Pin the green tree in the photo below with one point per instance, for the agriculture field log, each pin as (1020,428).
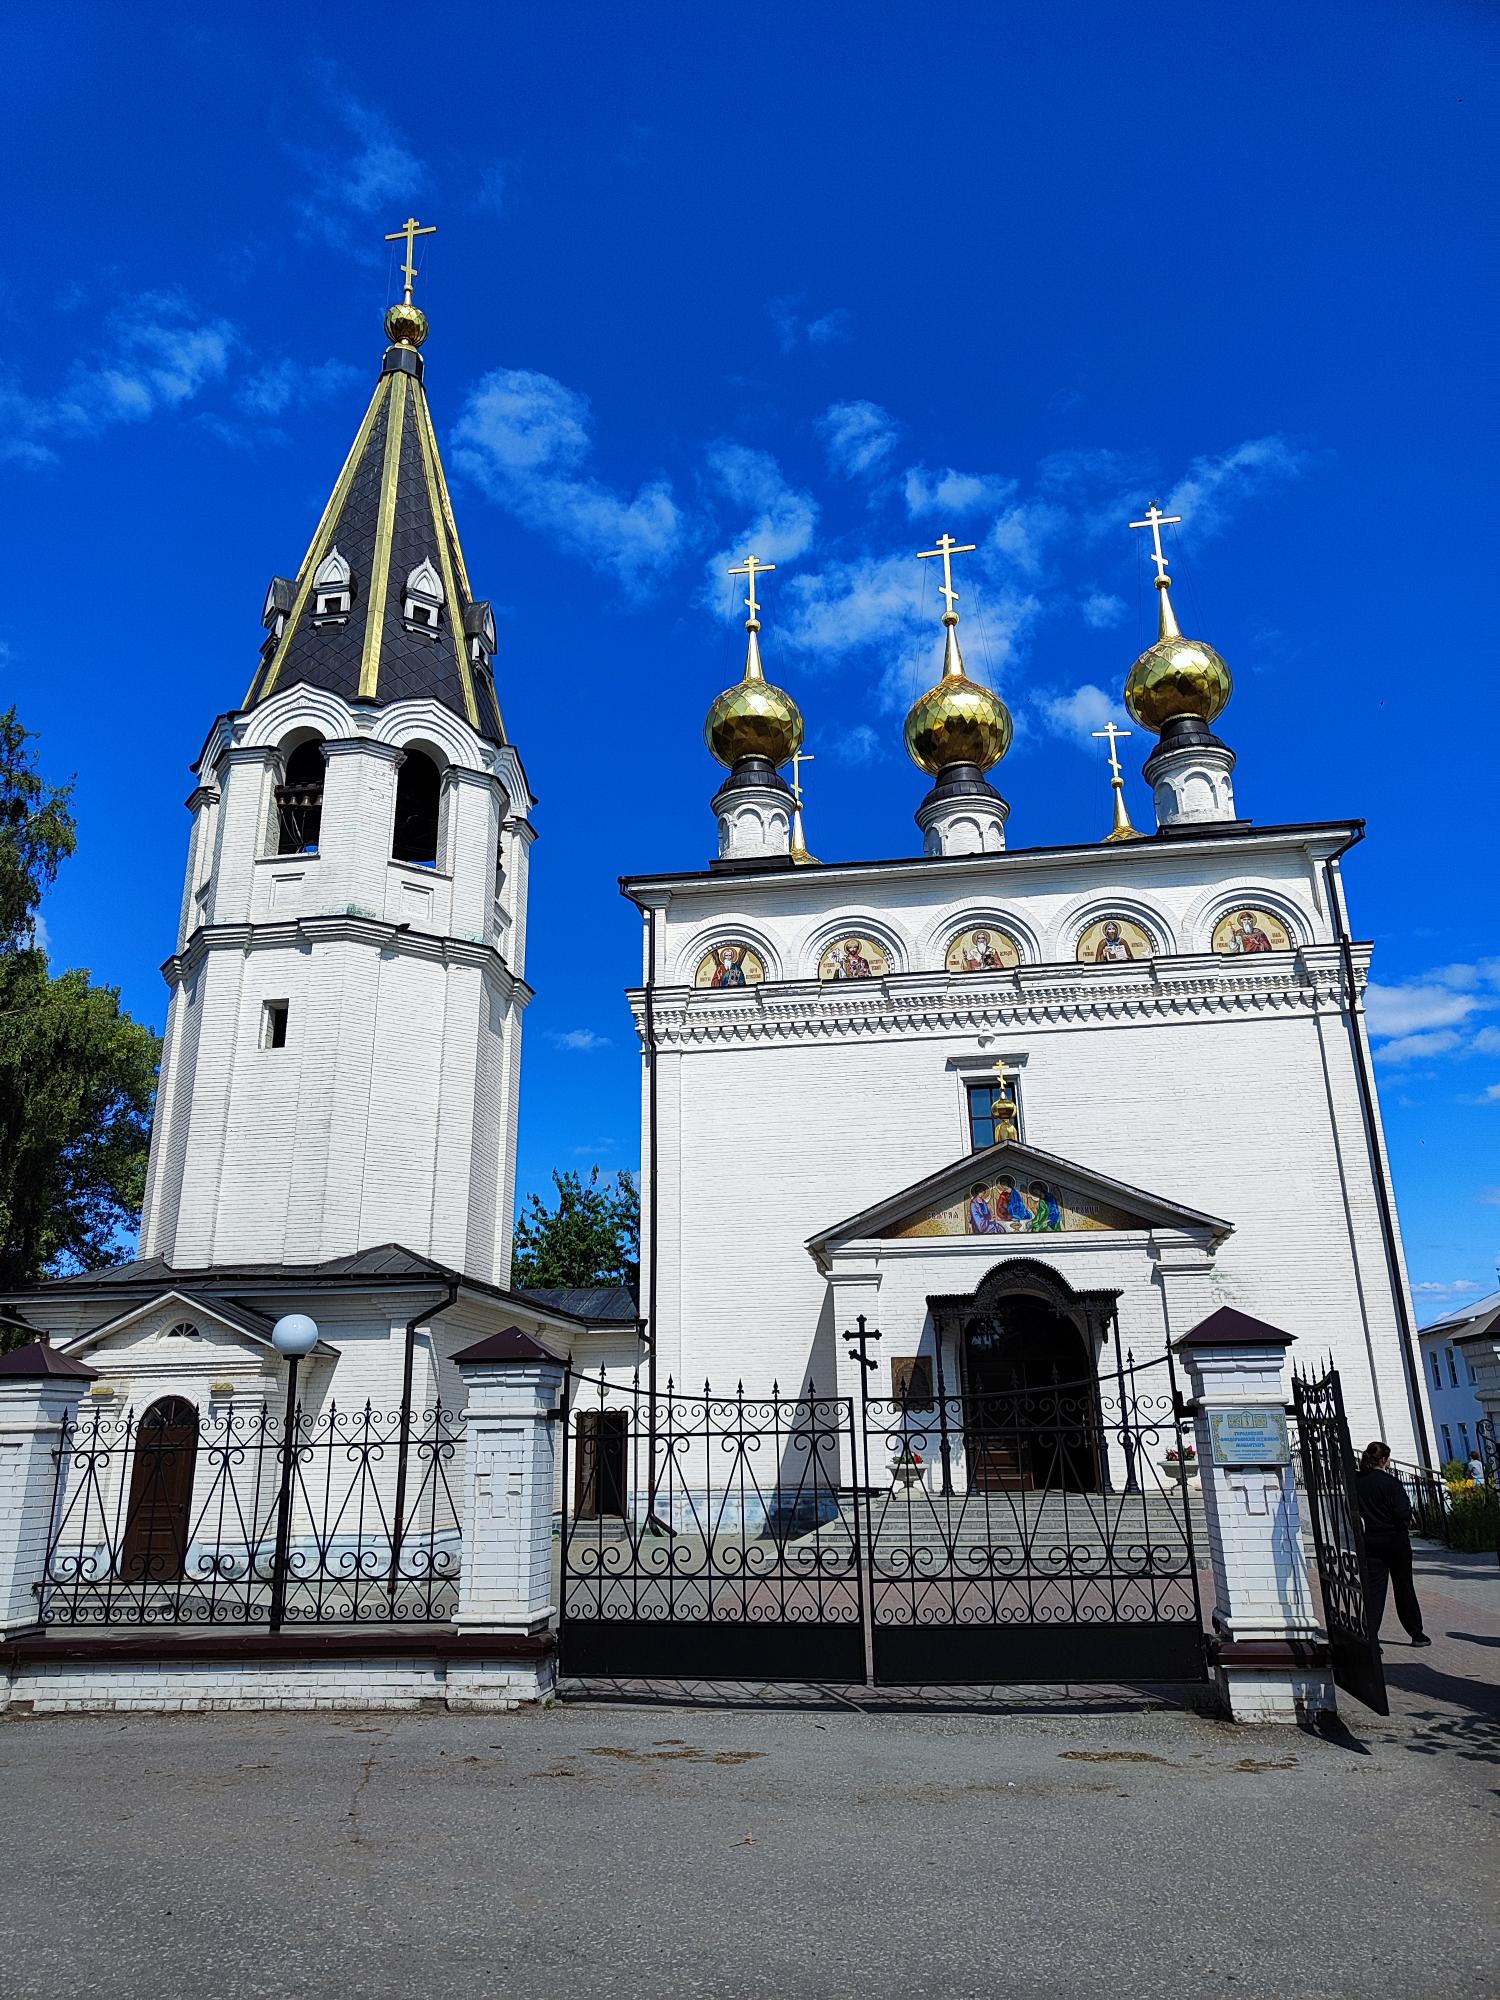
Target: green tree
(591,1237)
(76,1074)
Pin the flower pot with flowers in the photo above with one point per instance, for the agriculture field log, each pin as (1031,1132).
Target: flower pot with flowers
(907,1472)
(1182,1462)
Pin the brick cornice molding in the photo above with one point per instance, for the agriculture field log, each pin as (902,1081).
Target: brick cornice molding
(1185,988)
(348,928)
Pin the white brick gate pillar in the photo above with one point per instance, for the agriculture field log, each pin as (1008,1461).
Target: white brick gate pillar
(1270,1652)
(40,1391)
(511,1454)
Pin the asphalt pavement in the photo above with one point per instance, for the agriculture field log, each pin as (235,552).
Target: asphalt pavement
(726,1846)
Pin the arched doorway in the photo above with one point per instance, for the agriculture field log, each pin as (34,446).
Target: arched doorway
(159,1513)
(1032,1406)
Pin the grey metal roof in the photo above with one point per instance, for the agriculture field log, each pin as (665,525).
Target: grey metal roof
(591,1302)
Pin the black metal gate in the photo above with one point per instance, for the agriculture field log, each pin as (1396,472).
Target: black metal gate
(1338,1537)
(1037,1536)
(704,1537)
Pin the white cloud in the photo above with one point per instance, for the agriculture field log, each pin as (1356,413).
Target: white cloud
(1491,1095)
(578,1039)
(287,384)
(1079,714)
(778,519)
(1023,534)
(1490,1196)
(1102,610)
(1486,1042)
(1452,1288)
(1403,1010)
(1213,487)
(1416,1048)
(858,437)
(859,745)
(793,327)
(160,354)
(950,492)
(373,172)
(523,437)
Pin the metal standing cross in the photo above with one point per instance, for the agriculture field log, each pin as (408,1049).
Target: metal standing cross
(947,548)
(799,758)
(752,567)
(1156,520)
(1116,735)
(410,230)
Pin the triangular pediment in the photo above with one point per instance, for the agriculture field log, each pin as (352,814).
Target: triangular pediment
(162,1318)
(1016,1190)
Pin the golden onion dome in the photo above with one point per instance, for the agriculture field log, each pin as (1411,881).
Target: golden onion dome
(959,721)
(753,718)
(406,325)
(1176,676)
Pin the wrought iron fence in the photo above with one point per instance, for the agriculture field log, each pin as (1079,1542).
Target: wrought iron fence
(1461,1514)
(170,1516)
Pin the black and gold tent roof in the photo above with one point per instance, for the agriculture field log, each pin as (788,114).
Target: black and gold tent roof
(388,514)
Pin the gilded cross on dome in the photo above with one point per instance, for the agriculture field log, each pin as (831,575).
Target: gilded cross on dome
(409,231)
(947,548)
(1116,735)
(1156,520)
(752,567)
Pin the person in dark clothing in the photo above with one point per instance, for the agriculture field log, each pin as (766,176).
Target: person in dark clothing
(1386,1513)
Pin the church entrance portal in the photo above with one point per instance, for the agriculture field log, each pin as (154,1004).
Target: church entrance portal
(157,1520)
(1031,1411)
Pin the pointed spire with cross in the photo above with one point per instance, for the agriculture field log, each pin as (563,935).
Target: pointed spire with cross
(947,548)
(1122,829)
(798,848)
(409,231)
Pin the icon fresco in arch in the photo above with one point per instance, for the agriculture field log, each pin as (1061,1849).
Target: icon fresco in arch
(730,965)
(983,949)
(1014,1205)
(1115,941)
(854,957)
(1249,930)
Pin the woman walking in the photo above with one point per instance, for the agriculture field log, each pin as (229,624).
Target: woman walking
(1386,1513)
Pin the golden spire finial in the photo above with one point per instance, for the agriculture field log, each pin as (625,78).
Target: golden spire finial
(1156,520)
(1122,829)
(798,848)
(752,567)
(947,548)
(410,230)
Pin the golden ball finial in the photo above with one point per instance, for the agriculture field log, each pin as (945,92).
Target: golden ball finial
(1174,677)
(959,721)
(406,325)
(753,719)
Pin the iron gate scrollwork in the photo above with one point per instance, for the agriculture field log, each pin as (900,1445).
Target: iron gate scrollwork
(704,1536)
(1040,1534)
(1338,1537)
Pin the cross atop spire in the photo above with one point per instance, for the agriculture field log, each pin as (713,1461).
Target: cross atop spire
(410,230)
(1116,735)
(1122,829)
(752,567)
(947,548)
(1156,520)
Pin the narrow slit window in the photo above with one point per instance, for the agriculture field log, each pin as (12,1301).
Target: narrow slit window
(273,1024)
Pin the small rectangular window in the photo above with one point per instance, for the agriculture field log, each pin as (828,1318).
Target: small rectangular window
(1469,1371)
(1447,1445)
(1452,1370)
(993,1114)
(1437,1372)
(1463,1438)
(273,1024)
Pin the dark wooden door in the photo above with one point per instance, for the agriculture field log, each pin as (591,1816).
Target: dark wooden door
(599,1481)
(159,1513)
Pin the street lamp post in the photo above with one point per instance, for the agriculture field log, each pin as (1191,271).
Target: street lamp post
(293,1336)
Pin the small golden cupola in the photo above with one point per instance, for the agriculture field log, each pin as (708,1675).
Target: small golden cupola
(1177,688)
(956,732)
(753,728)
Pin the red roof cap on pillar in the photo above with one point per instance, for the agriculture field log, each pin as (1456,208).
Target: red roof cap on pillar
(1230,1328)
(512,1343)
(39,1360)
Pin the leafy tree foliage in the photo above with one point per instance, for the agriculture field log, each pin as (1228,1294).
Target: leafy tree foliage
(76,1074)
(592,1236)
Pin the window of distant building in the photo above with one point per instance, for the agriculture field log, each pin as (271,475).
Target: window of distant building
(1437,1370)
(1452,1369)
(1447,1443)
(994,1113)
(1463,1438)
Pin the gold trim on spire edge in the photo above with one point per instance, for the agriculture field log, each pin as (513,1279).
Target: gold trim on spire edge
(380,560)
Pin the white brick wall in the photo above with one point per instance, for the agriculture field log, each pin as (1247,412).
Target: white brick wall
(419,1681)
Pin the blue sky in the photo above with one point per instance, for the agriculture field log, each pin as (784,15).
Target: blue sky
(833,279)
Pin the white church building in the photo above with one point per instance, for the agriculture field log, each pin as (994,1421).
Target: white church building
(1025,1109)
